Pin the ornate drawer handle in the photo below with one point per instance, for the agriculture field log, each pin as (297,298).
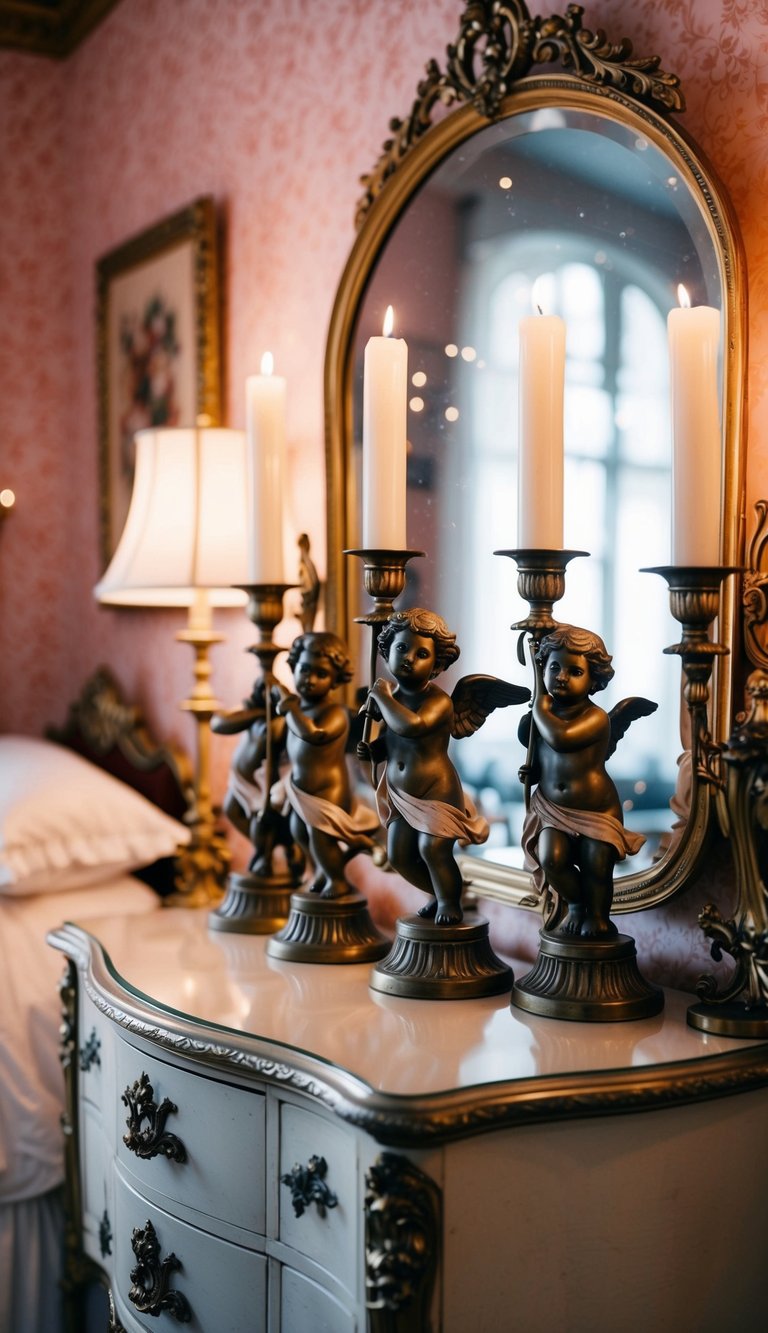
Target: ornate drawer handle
(151,1292)
(307,1185)
(105,1235)
(155,1140)
(90,1053)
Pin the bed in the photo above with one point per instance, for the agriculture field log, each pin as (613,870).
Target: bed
(89,823)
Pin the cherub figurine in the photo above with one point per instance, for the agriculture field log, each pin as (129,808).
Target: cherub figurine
(255,769)
(420,797)
(325,818)
(574,832)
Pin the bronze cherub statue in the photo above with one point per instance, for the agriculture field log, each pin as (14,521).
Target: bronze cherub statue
(420,797)
(326,819)
(574,832)
(250,802)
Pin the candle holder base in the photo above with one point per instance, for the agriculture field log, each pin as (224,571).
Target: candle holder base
(430,962)
(254,904)
(328,930)
(734,1019)
(591,981)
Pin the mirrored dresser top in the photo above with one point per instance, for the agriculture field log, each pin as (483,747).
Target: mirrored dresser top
(169,970)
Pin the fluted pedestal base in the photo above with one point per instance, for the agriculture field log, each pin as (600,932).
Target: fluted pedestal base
(254,904)
(429,962)
(591,981)
(328,930)
(732,1019)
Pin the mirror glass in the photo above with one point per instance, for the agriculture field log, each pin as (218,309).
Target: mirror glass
(568,211)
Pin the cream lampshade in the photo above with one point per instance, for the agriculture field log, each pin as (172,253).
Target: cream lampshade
(185,544)
(186,525)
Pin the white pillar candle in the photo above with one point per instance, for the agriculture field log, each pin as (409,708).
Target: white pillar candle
(694,336)
(265,459)
(385,392)
(540,457)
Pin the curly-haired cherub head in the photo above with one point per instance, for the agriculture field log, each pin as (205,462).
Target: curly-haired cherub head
(431,626)
(322,643)
(588,645)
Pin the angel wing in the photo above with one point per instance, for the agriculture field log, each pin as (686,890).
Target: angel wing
(624,714)
(474,697)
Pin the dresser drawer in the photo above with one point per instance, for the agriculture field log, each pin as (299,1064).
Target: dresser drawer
(306,1307)
(209,1285)
(206,1137)
(323,1228)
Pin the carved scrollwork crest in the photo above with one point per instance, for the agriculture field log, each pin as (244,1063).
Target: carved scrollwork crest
(307,1185)
(153,1140)
(499,43)
(150,1291)
(402,1242)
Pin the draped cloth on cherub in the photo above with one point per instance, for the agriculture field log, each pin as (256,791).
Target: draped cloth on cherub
(435,817)
(347,826)
(578,823)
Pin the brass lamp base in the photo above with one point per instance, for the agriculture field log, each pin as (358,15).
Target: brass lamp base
(732,1019)
(328,930)
(254,904)
(430,962)
(591,981)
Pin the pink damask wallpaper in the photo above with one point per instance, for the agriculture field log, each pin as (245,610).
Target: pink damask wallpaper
(275,109)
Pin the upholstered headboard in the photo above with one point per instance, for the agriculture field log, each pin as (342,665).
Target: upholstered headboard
(111,733)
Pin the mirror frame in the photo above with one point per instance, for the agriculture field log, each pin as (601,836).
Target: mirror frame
(488,74)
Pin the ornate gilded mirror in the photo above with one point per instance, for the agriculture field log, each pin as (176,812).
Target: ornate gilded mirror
(544,167)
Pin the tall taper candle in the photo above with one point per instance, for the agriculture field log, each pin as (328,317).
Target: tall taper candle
(540,458)
(694,336)
(265,457)
(385,390)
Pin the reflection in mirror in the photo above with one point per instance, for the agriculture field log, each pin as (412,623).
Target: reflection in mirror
(576,214)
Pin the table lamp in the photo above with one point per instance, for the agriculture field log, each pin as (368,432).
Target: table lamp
(184,544)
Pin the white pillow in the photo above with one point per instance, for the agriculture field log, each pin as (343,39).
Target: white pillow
(65,824)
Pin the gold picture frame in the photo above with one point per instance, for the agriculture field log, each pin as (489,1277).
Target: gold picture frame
(158,345)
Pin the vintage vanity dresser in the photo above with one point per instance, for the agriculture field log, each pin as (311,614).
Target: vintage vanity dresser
(257,1144)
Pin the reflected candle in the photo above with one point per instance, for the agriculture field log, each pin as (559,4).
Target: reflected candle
(265,396)
(385,390)
(694,336)
(540,456)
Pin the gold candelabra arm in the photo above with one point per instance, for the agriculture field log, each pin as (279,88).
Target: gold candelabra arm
(694,600)
(739,1008)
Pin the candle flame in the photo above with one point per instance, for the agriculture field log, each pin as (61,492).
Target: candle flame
(538,295)
(389,322)
(267,363)
(683,297)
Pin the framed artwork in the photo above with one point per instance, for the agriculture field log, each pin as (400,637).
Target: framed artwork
(159,360)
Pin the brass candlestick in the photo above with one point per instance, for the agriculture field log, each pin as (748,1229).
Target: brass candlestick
(591,977)
(740,770)
(384,573)
(201,865)
(694,600)
(540,583)
(258,901)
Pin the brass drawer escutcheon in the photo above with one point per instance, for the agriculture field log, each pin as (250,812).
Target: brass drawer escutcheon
(307,1186)
(150,1292)
(154,1140)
